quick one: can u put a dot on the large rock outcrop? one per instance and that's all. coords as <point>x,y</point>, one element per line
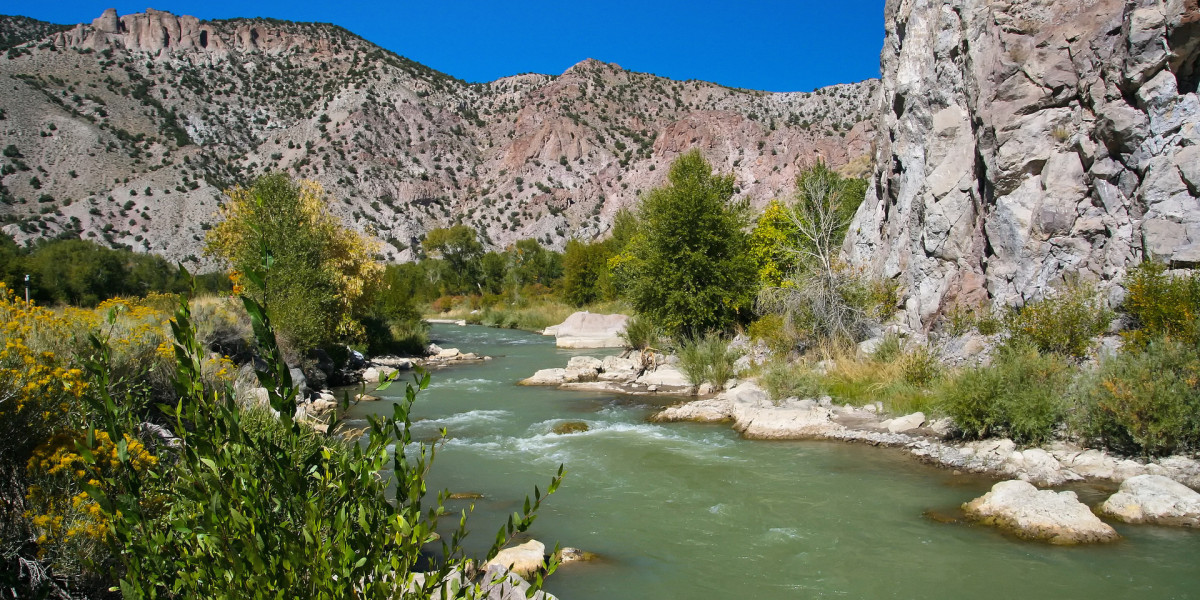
<point>1021,140</point>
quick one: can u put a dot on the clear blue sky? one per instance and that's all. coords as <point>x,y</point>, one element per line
<point>779,45</point>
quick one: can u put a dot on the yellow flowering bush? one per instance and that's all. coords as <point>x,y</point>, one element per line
<point>70,527</point>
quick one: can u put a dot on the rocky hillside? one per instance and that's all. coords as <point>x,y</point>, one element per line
<point>1023,141</point>
<point>126,130</point>
<point>16,30</point>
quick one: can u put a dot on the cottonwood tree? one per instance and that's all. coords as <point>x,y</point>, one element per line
<point>690,270</point>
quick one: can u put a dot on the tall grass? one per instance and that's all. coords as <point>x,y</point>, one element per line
<point>707,359</point>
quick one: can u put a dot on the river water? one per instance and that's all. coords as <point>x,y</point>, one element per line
<point>690,511</point>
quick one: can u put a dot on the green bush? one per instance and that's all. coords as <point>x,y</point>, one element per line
<point>251,507</point>
<point>641,333</point>
<point>1064,324</point>
<point>784,380</point>
<point>1021,395</point>
<point>890,348</point>
<point>920,366</point>
<point>773,331</point>
<point>1146,401</point>
<point>707,358</point>
<point>1162,305</point>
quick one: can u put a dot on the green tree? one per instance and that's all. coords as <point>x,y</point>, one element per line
<point>691,271</point>
<point>461,252</point>
<point>773,234</point>
<point>324,274</point>
<point>585,273</point>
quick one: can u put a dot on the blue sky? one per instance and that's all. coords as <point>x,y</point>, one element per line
<point>776,45</point>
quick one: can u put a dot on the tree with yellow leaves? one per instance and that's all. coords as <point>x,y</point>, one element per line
<point>323,274</point>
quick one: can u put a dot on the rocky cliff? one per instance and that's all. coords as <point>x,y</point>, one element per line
<point>127,129</point>
<point>1024,141</point>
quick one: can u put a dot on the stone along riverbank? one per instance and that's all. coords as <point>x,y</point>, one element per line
<point>693,510</point>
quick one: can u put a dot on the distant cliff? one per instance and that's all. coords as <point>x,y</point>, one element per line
<point>1022,141</point>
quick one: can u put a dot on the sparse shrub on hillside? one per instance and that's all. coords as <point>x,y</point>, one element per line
<point>1162,305</point>
<point>1064,323</point>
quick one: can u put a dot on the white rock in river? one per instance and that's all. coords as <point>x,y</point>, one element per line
<point>589,330</point>
<point>524,560</point>
<point>546,377</point>
<point>1154,499</point>
<point>1044,515</point>
<point>664,375</point>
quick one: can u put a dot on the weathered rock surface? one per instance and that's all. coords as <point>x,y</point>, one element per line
<point>1154,499</point>
<point>1044,515</point>
<point>1023,141</point>
<point>589,330</point>
<point>546,377</point>
<point>905,423</point>
<point>524,560</point>
<point>664,375</point>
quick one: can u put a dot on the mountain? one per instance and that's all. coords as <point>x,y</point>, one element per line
<point>1024,143</point>
<point>126,131</point>
<point>17,30</point>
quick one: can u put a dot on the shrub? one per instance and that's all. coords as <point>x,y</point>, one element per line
<point>890,348</point>
<point>1146,400</point>
<point>707,358</point>
<point>773,331</point>
<point>258,505</point>
<point>1162,305</point>
<point>1021,395</point>
<point>784,380</point>
<point>920,366</point>
<point>1064,324</point>
<point>324,273</point>
<point>641,333</point>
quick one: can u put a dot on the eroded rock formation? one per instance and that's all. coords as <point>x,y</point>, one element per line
<point>1023,141</point>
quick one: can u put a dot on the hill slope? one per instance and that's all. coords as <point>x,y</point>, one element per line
<point>127,129</point>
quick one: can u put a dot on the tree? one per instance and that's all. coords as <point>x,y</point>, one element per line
<point>690,269</point>
<point>769,241</point>
<point>459,247</point>
<point>323,273</point>
<point>822,297</point>
<point>585,272</point>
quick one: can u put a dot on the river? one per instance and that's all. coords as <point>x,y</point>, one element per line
<point>690,511</point>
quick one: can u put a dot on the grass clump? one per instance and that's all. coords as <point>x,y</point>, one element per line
<point>708,358</point>
<point>1146,400</point>
<point>641,333</point>
<point>784,380</point>
<point>1021,394</point>
<point>773,330</point>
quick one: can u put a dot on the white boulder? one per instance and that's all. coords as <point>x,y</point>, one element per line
<point>1043,515</point>
<point>1154,499</point>
<point>590,330</point>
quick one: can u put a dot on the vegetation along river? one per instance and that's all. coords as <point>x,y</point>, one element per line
<point>691,511</point>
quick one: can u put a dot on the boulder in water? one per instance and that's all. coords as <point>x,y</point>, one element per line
<point>524,560</point>
<point>1154,499</point>
<point>1043,515</point>
<point>590,330</point>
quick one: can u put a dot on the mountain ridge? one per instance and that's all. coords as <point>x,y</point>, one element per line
<point>185,108</point>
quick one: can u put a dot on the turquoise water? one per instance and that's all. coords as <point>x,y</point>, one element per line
<point>691,511</point>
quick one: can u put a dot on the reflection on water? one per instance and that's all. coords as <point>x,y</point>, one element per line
<point>690,511</point>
